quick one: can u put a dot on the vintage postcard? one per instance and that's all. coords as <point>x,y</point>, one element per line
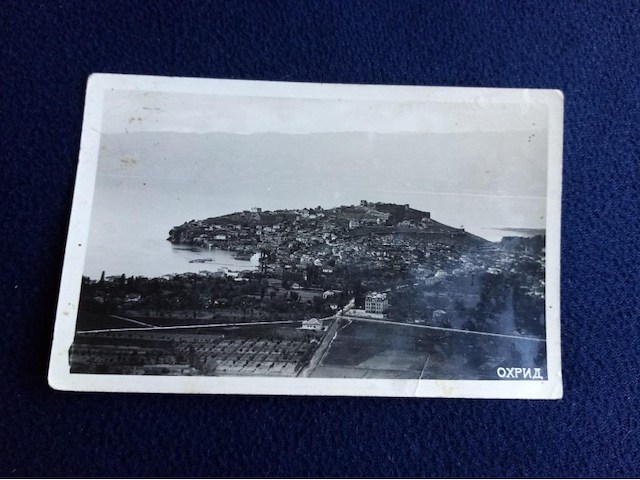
<point>313,239</point>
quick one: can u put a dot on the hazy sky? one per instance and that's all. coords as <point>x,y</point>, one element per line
<point>135,111</point>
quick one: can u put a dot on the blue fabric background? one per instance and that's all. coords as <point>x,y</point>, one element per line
<point>590,50</point>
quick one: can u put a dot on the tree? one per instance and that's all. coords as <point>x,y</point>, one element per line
<point>318,304</point>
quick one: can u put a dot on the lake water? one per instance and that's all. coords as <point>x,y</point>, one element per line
<point>169,259</point>
<point>130,223</point>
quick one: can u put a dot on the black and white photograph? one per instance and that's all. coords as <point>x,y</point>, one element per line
<point>271,237</point>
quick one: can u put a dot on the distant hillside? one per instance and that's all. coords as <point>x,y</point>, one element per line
<point>251,227</point>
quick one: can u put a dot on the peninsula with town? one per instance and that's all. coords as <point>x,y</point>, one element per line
<point>372,290</point>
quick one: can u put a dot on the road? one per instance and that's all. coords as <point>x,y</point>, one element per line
<point>339,314</point>
<point>321,351</point>
<point>181,327</point>
<point>131,320</point>
<point>147,326</point>
<point>445,329</point>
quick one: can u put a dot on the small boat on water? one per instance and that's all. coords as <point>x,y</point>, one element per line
<point>201,260</point>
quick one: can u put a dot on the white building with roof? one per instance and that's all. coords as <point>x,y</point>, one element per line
<point>376,302</point>
<point>313,324</point>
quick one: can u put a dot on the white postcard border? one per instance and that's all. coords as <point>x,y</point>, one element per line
<point>59,375</point>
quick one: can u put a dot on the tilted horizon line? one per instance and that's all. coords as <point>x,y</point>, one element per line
<point>418,192</point>
<point>186,131</point>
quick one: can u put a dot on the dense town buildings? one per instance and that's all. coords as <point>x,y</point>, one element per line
<point>364,263</point>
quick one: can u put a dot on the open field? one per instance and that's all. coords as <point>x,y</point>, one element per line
<point>369,350</point>
<point>355,348</point>
<point>263,350</point>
